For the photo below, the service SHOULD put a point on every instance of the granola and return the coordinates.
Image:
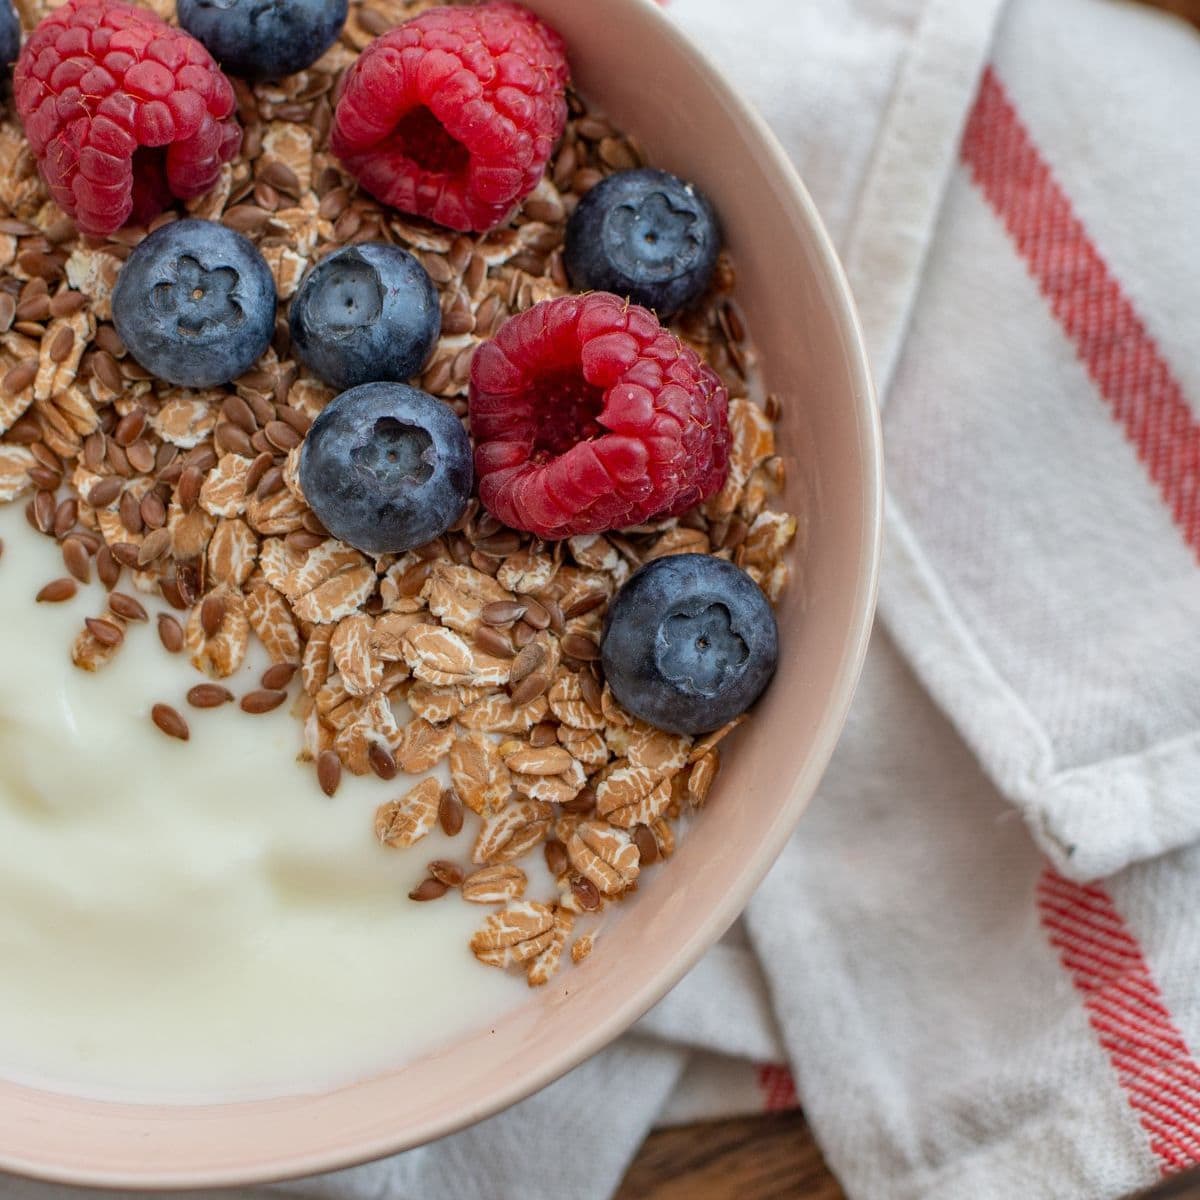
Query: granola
(478, 650)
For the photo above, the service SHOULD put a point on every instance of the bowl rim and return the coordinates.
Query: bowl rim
(723, 914)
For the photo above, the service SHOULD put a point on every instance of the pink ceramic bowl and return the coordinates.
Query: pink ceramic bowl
(629, 58)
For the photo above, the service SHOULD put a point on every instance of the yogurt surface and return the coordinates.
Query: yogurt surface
(197, 921)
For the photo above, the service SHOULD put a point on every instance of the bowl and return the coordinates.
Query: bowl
(630, 59)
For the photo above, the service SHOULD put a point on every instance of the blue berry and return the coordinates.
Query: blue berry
(195, 304)
(366, 313)
(690, 642)
(386, 467)
(10, 38)
(264, 39)
(646, 235)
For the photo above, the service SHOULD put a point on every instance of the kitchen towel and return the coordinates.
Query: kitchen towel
(967, 1008)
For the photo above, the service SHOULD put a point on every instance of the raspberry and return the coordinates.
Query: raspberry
(588, 415)
(454, 114)
(123, 112)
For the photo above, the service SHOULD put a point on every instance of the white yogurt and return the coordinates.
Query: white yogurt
(198, 921)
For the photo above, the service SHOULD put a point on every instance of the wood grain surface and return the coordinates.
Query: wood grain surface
(755, 1158)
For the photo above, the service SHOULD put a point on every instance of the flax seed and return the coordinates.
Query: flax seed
(170, 722)
(212, 613)
(127, 607)
(57, 591)
(429, 889)
(209, 695)
(262, 701)
(450, 814)
(329, 771)
(76, 559)
(451, 874)
(105, 632)
(108, 570)
(276, 678)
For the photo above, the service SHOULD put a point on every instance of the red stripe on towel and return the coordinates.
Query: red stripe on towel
(1153, 1064)
(1110, 338)
(778, 1087)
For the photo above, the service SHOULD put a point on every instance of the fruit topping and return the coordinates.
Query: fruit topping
(647, 235)
(122, 112)
(690, 642)
(195, 303)
(454, 114)
(386, 467)
(588, 415)
(264, 39)
(364, 314)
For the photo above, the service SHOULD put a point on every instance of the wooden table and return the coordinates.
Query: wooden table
(757, 1158)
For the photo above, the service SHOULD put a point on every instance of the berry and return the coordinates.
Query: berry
(646, 235)
(10, 37)
(122, 112)
(364, 314)
(689, 643)
(264, 39)
(386, 468)
(588, 415)
(195, 304)
(454, 114)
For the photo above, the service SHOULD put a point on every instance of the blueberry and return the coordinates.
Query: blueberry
(646, 235)
(689, 643)
(195, 304)
(386, 467)
(10, 38)
(366, 313)
(264, 39)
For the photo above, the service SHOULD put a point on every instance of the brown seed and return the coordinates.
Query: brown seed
(131, 513)
(329, 771)
(503, 612)
(56, 591)
(271, 481)
(259, 444)
(157, 543)
(187, 490)
(382, 761)
(582, 803)
(108, 570)
(530, 658)
(170, 633)
(555, 612)
(492, 641)
(212, 613)
(118, 460)
(154, 512)
(127, 607)
(8, 310)
(141, 456)
(556, 857)
(109, 340)
(529, 689)
(129, 427)
(18, 378)
(276, 678)
(523, 633)
(451, 874)
(76, 559)
(65, 517)
(208, 695)
(126, 553)
(593, 693)
(203, 458)
(62, 343)
(293, 417)
(450, 814)
(646, 844)
(105, 632)
(586, 894)
(428, 889)
(282, 436)
(165, 463)
(262, 701)
(579, 647)
(543, 734)
(229, 439)
(67, 303)
(105, 492)
(585, 605)
(44, 477)
(258, 468)
(235, 410)
(187, 580)
(44, 509)
(93, 451)
(170, 722)
(105, 368)
(500, 545)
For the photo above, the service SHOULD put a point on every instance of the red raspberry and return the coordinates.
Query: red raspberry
(122, 111)
(454, 114)
(588, 415)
